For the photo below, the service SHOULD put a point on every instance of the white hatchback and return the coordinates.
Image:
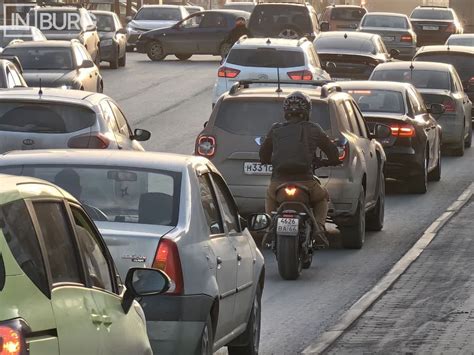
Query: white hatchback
(266, 59)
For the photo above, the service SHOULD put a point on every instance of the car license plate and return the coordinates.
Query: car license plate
(341, 79)
(388, 39)
(431, 28)
(288, 226)
(253, 168)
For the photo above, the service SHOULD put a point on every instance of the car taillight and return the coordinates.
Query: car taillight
(451, 28)
(225, 72)
(402, 130)
(89, 140)
(167, 260)
(449, 105)
(206, 146)
(300, 75)
(12, 339)
(406, 38)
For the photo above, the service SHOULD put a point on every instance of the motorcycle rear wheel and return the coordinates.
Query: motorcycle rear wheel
(289, 258)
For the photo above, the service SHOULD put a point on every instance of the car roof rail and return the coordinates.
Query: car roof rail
(435, 6)
(13, 59)
(326, 90)
(245, 84)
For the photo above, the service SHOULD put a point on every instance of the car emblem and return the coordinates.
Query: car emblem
(28, 142)
(259, 140)
(135, 258)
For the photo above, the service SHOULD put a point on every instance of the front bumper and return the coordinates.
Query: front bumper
(175, 323)
(132, 39)
(141, 46)
(402, 162)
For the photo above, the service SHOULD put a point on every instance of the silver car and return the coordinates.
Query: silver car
(438, 83)
(395, 29)
(173, 213)
(32, 118)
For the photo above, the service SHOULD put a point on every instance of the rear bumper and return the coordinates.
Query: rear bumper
(403, 162)
(175, 323)
(453, 127)
(109, 52)
(425, 39)
(406, 52)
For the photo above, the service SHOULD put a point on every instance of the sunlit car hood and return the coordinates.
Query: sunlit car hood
(151, 25)
(50, 78)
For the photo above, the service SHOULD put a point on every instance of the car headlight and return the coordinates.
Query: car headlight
(106, 42)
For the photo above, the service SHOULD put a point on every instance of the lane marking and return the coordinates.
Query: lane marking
(327, 338)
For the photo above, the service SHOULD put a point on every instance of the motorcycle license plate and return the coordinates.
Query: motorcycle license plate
(288, 226)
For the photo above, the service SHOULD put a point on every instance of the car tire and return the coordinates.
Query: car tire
(155, 51)
(97, 59)
(130, 48)
(224, 49)
(435, 174)
(459, 150)
(251, 337)
(419, 183)
(206, 345)
(375, 218)
(353, 236)
(123, 61)
(183, 56)
(468, 141)
(114, 63)
(289, 32)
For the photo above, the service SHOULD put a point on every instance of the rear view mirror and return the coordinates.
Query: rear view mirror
(122, 175)
(394, 53)
(382, 131)
(141, 282)
(436, 109)
(324, 26)
(141, 135)
(258, 222)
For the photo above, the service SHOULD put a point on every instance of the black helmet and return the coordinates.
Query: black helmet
(297, 104)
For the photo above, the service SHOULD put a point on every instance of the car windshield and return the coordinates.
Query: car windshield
(8, 35)
(272, 19)
(115, 194)
(242, 7)
(158, 14)
(266, 58)
(59, 20)
(461, 41)
(378, 100)
(43, 58)
(347, 14)
(336, 44)
(421, 79)
(432, 14)
(462, 62)
(385, 21)
(255, 118)
(44, 117)
(105, 23)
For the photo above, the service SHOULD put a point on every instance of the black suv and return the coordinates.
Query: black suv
(284, 20)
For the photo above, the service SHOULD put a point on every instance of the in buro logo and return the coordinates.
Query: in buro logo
(45, 20)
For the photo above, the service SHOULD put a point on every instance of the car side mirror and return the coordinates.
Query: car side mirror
(436, 109)
(142, 282)
(258, 222)
(394, 53)
(141, 135)
(381, 131)
(324, 26)
(91, 28)
(87, 63)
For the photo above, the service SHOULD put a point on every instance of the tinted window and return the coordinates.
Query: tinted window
(121, 120)
(255, 118)
(213, 20)
(105, 23)
(44, 117)
(266, 58)
(118, 194)
(432, 14)
(59, 241)
(379, 100)
(158, 14)
(347, 14)
(20, 235)
(419, 78)
(209, 205)
(269, 20)
(335, 44)
(461, 41)
(227, 205)
(462, 62)
(43, 58)
(385, 21)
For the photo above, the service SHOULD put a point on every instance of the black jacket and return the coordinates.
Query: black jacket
(236, 33)
(317, 138)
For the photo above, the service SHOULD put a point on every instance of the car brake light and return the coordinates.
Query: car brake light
(91, 141)
(300, 75)
(406, 38)
(225, 72)
(402, 130)
(451, 28)
(206, 146)
(12, 337)
(449, 105)
(167, 259)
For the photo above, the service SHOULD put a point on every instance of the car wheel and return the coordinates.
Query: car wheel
(100, 86)
(122, 61)
(155, 51)
(419, 184)
(97, 59)
(289, 33)
(224, 49)
(251, 337)
(353, 236)
(435, 174)
(114, 63)
(183, 56)
(375, 218)
(206, 345)
(459, 150)
(468, 141)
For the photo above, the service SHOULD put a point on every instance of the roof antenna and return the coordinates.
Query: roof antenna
(278, 78)
(40, 92)
(345, 35)
(411, 71)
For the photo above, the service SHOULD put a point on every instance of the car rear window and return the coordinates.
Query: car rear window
(266, 58)
(421, 79)
(461, 41)
(8, 34)
(43, 58)
(45, 117)
(158, 14)
(255, 118)
(462, 62)
(114, 193)
(347, 14)
(335, 44)
(432, 14)
(385, 21)
(379, 100)
(271, 19)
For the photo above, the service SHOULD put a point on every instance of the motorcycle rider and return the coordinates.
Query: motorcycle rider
(290, 147)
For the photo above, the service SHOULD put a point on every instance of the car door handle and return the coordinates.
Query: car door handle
(106, 320)
(239, 257)
(96, 319)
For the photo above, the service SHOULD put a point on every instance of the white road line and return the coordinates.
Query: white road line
(327, 338)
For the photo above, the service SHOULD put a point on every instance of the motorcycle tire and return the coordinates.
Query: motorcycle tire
(289, 258)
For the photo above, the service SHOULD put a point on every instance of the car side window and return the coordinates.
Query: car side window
(209, 205)
(121, 120)
(411, 108)
(418, 102)
(20, 234)
(16, 76)
(347, 118)
(213, 20)
(360, 120)
(59, 241)
(98, 270)
(78, 56)
(193, 21)
(352, 118)
(10, 80)
(109, 117)
(227, 203)
(456, 81)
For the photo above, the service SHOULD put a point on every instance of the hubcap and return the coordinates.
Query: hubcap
(156, 50)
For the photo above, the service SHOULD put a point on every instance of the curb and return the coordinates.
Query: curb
(327, 338)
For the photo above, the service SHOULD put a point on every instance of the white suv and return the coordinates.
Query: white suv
(264, 59)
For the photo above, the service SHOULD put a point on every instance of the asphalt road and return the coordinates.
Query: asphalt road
(173, 100)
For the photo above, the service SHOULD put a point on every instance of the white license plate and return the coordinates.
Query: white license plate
(287, 226)
(251, 168)
(341, 79)
(431, 28)
(388, 39)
